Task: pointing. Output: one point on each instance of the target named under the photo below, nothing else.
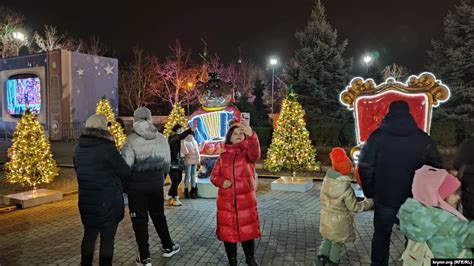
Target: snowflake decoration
(109, 69)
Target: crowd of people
(401, 173)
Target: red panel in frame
(370, 111)
(370, 102)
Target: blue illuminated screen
(23, 91)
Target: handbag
(417, 254)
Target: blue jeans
(190, 173)
(384, 219)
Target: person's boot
(233, 261)
(250, 260)
(194, 193)
(322, 260)
(330, 263)
(186, 193)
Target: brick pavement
(51, 234)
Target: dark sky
(400, 30)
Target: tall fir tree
(31, 161)
(259, 116)
(318, 70)
(105, 108)
(452, 61)
(291, 147)
(177, 116)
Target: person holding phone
(233, 174)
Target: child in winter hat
(338, 204)
(431, 216)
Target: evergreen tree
(177, 116)
(291, 147)
(115, 129)
(259, 115)
(31, 161)
(319, 70)
(452, 61)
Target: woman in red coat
(233, 174)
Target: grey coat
(147, 152)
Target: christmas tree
(291, 147)
(176, 117)
(318, 69)
(104, 107)
(452, 61)
(31, 162)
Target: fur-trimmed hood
(93, 136)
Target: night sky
(399, 30)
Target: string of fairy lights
(291, 147)
(104, 107)
(177, 116)
(31, 161)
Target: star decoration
(108, 69)
(80, 72)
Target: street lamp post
(273, 63)
(367, 59)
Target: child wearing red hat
(338, 204)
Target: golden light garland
(104, 107)
(30, 159)
(291, 147)
(177, 116)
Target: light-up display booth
(369, 102)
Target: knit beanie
(449, 186)
(340, 161)
(97, 121)
(142, 114)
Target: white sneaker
(145, 262)
(169, 252)
(176, 201)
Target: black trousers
(176, 176)
(384, 219)
(107, 236)
(231, 249)
(141, 204)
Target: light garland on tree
(291, 147)
(104, 108)
(31, 162)
(177, 116)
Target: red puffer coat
(237, 215)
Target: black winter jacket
(100, 171)
(464, 163)
(175, 145)
(391, 155)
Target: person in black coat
(176, 170)
(387, 164)
(100, 171)
(464, 164)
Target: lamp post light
(19, 37)
(190, 87)
(273, 63)
(367, 60)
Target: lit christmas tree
(104, 107)
(291, 147)
(31, 162)
(177, 116)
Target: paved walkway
(51, 234)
